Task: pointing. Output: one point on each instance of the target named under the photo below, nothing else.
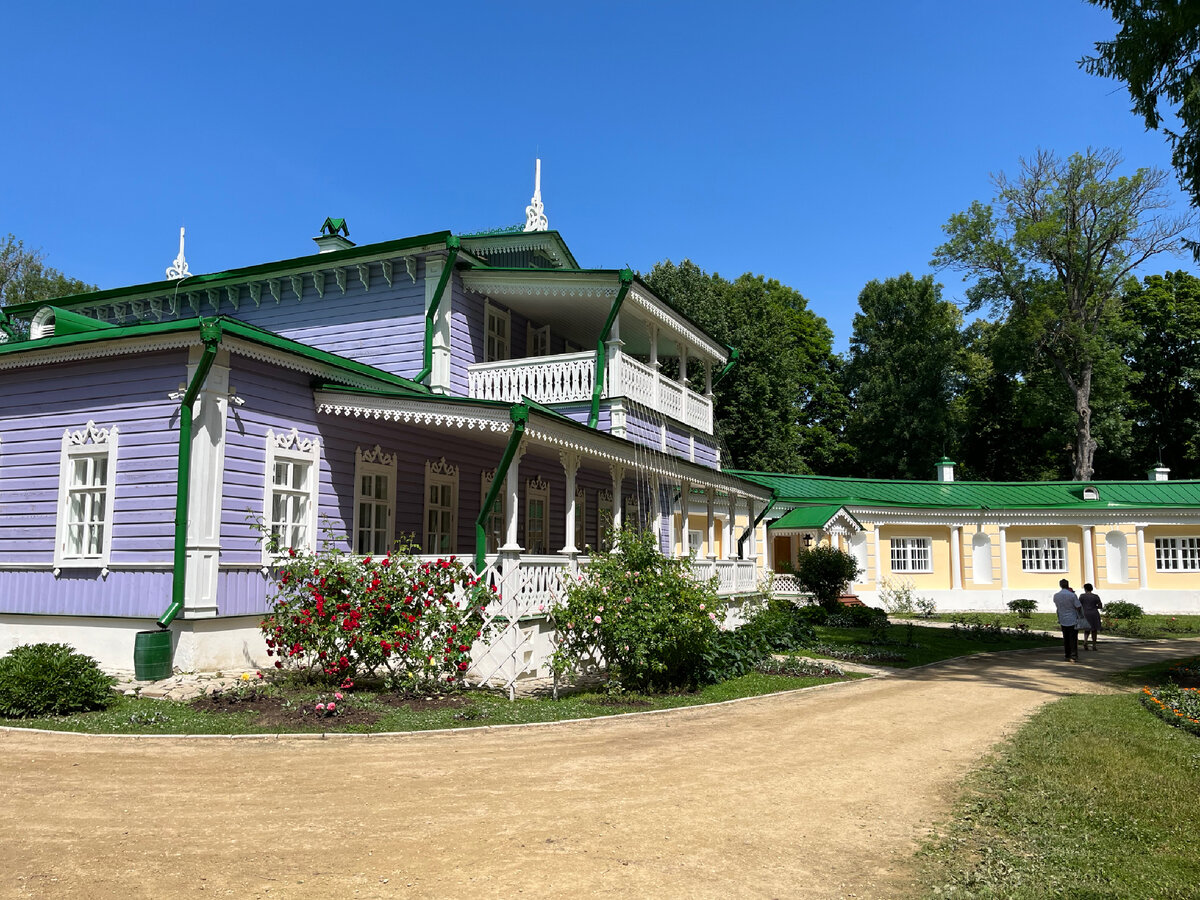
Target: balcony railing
(571, 377)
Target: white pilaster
(956, 557)
(656, 508)
(512, 484)
(878, 559)
(570, 464)
(753, 540)
(439, 376)
(1143, 575)
(685, 509)
(207, 474)
(730, 539)
(1089, 562)
(618, 478)
(710, 496)
(1003, 558)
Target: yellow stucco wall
(939, 548)
(1166, 580)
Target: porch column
(685, 504)
(730, 540)
(656, 509)
(618, 479)
(956, 557)
(708, 378)
(656, 404)
(710, 495)
(570, 464)
(204, 494)
(1143, 575)
(1089, 563)
(511, 485)
(1003, 559)
(439, 376)
(752, 541)
(683, 361)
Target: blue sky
(820, 144)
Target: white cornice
(418, 412)
(1011, 517)
(540, 283)
(676, 323)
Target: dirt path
(820, 793)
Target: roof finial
(179, 268)
(535, 214)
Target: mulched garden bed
(277, 712)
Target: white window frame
(493, 530)
(911, 554)
(537, 489)
(89, 443)
(1177, 554)
(537, 340)
(604, 505)
(631, 514)
(374, 464)
(441, 474)
(291, 448)
(695, 542)
(580, 519)
(502, 349)
(1044, 554)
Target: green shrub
(50, 680)
(926, 607)
(826, 572)
(812, 614)
(857, 617)
(777, 627)
(898, 597)
(1023, 608)
(642, 613)
(1121, 609)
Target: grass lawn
(1149, 626)
(928, 644)
(1093, 798)
(369, 712)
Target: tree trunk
(1085, 445)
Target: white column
(752, 542)
(711, 496)
(439, 376)
(708, 366)
(878, 559)
(685, 508)
(956, 557)
(1089, 563)
(618, 477)
(656, 509)
(683, 361)
(207, 473)
(1003, 559)
(570, 464)
(656, 403)
(1143, 575)
(511, 489)
(730, 530)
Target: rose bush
(338, 616)
(641, 613)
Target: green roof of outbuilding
(823, 491)
(807, 517)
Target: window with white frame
(537, 514)
(1177, 554)
(1043, 554)
(604, 507)
(441, 507)
(374, 493)
(912, 554)
(497, 325)
(630, 514)
(86, 477)
(537, 341)
(493, 529)
(695, 542)
(580, 518)
(290, 502)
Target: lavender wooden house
(383, 390)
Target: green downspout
(601, 354)
(761, 515)
(519, 415)
(734, 354)
(452, 244)
(210, 334)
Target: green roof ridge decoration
(333, 226)
(490, 232)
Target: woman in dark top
(1090, 620)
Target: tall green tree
(1162, 350)
(1157, 54)
(1052, 259)
(780, 408)
(903, 373)
(25, 278)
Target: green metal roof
(824, 491)
(807, 517)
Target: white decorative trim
(540, 283)
(376, 455)
(675, 324)
(298, 287)
(439, 472)
(179, 268)
(416, 412)
(289, 446)
(604, 495)
(535, 212)
(319, 284)
(233, 293)
(214, 299)
(374, 462)
(90, 441)
(386, 265)
(410, 266)
(276, 288)
(364, 276)
(256, 293)
(340, 275)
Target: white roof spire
(179, 268)
(535, 213)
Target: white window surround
(494, 529)
(695, 542)
(1044, 555)
(1177, 554)
(439, 522)
(981, 559)
(293, 466)
(537, 516)
(580, 519)
(87, 470)
(374, 498)
(497, 333)
(1116, 557)
(912, 554)
(537, 340)
(631, 516)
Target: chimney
(335, 235)
(945, 469)
(1158, 473)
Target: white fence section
(570, 377)
(785, 583)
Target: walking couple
(1076, 614)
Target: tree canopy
(25, 278)
(1052, 261)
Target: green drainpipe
(766, 509)
(601, 354)
(210, 334)
(734, 355)
(519, 415)
(452, 244)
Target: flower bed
(1178, 706)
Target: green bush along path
(820, 793)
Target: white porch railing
(570, 377)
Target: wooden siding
(138, 593)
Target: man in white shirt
(1066, 604)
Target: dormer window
(497, 327)
(1091, 493)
